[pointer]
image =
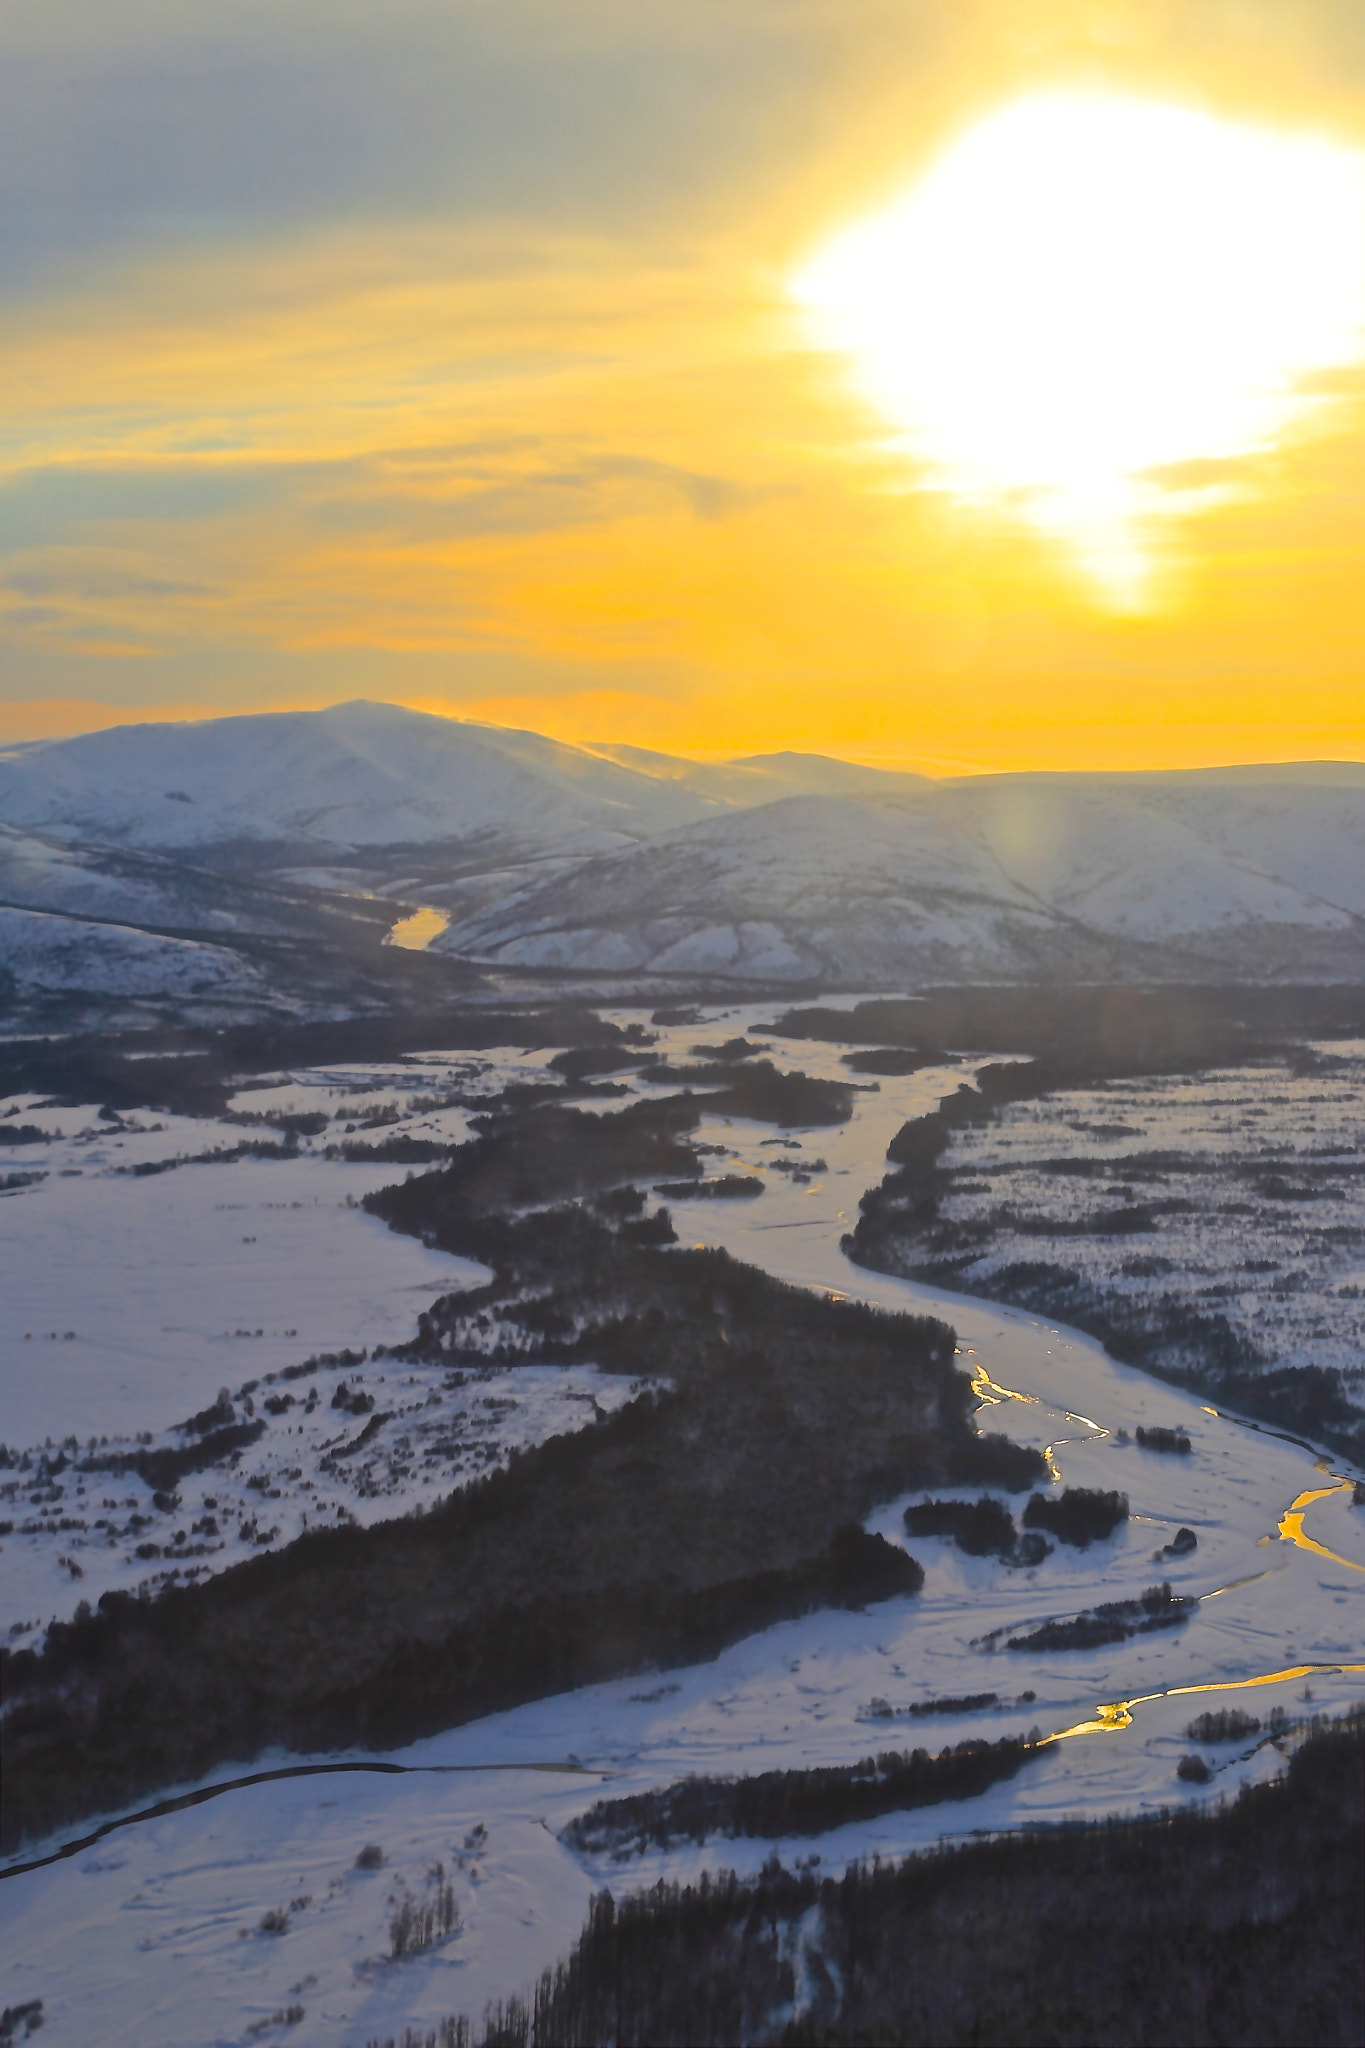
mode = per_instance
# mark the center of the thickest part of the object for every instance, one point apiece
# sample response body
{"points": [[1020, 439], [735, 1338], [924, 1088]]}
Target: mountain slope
{"points": [[763, 778], [119, 885], [997, 878], [356, 776], [46, 958], [784, 867]]}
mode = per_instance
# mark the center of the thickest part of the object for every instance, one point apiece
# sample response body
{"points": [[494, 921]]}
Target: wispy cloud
{"points": [[443, 351]]}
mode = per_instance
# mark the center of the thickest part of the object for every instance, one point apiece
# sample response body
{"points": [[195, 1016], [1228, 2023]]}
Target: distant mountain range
{"points": [[295, 784], [787, 868]]}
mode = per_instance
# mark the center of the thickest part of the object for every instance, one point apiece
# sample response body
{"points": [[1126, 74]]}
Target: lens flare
{"points": [[1087, 295]]}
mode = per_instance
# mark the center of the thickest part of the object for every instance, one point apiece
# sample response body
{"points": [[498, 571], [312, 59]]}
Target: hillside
{"points": [[997, 878], [357, 775], [311, 831]]}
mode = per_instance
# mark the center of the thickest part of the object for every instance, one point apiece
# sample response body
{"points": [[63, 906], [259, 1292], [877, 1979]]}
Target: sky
{"points": [[962, 384]]}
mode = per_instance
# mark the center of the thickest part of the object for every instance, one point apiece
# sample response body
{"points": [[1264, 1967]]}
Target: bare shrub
{"points": [[419, 1923], [1231, 1725]]}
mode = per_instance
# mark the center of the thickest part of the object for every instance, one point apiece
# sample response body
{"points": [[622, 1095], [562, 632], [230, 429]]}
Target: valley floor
{"points": [[248, 1917]]}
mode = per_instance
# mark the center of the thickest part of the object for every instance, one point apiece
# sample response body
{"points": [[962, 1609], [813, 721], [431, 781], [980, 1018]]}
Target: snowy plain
{"points": [[137, 1292], [1241, 1190], [155, 1934]]}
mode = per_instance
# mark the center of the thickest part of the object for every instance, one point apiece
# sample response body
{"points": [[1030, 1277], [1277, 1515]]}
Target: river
{"points": [[168, 1904]]}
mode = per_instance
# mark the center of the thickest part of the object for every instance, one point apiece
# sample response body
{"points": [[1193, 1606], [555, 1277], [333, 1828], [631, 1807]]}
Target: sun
{"points": [[1087, 292]]}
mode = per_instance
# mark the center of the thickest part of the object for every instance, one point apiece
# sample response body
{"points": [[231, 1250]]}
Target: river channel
{"points": [[1277, 1628]]}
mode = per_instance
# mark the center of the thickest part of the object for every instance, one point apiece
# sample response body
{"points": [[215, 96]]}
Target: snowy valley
{"points": [[268, 1911], [194, 863]]}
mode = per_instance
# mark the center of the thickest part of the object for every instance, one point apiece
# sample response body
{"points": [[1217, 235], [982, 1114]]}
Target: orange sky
{"points": [[461, 369]]}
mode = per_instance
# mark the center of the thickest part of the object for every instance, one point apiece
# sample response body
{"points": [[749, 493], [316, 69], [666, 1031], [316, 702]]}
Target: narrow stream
{"points": [[1291, 1521], [1117, 1714]]}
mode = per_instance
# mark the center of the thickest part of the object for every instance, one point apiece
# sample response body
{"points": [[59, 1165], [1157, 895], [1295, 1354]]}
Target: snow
{"points": [[611, 860], [358, 1443], [356, 775], [1151, 870], [165, 1281], [132, 1300], [1275, 1151], [39, 874], [981, 878], [48, 953], [151, 1936]]}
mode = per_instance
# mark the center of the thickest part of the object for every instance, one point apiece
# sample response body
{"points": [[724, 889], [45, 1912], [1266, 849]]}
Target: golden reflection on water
{"points": [[989, 1391], [416, 933], [1291, 1523], [1116, 1714], [1113, 1715]]}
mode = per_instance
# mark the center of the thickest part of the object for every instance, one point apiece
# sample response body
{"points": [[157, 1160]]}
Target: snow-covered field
{"points": [[1240, 1193], [160, 1932], [133, 1300]]}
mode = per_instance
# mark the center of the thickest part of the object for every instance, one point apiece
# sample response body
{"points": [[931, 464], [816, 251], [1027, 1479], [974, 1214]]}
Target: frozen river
{"points": [[153, 1935]]}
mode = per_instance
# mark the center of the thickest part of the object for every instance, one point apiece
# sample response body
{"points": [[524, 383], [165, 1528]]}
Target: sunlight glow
{"points": [[1087, 291]]}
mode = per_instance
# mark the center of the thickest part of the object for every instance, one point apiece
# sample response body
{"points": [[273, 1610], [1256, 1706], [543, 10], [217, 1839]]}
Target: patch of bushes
{"points": [[1228, 1724], [983, 1528], [726, 1187], [887, 1059], [1111, 1622], [29, 2016], [418, 1924], [918, 1710], [1172, 1441], [1080, 1516], [163, 1470], [760, 1090], [773, 1804], [400, 1150], [217, 1417], [1208, 1927], [732, 1051]]}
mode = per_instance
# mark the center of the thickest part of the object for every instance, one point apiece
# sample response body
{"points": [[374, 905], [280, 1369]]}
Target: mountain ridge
{"points": [[974, 881], [316, 829]]}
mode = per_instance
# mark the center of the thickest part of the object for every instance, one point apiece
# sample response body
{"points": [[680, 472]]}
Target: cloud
{"points": [[438, 349], [418, 495], [1204, 472], [550, 500], [185, 121], [94, 574], [53, 501]]}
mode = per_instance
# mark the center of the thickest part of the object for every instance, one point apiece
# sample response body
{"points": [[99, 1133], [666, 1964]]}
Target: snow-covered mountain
{"points": [[45, 959], [763, 778], [317, 782], [604, 859], [120, 885], [991, 879], [376, 775], [312, 784]]}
